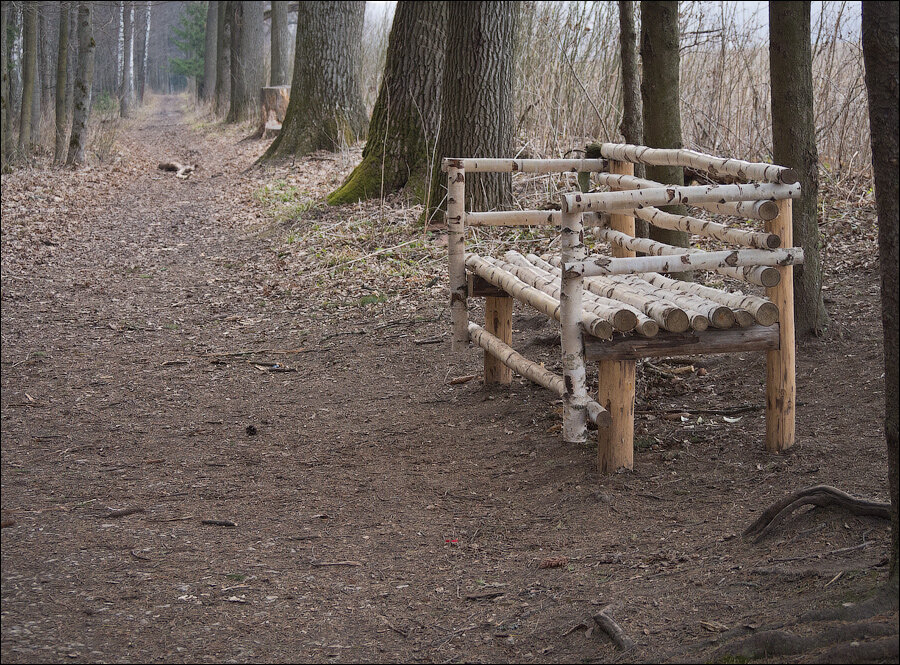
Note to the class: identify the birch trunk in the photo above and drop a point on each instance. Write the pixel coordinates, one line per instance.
(81, 106)
(326, 109)
(62, 61)
(570, 315)
(794, 145)
(882, 60)
(696, 260)
(660, 96)
(405, 120)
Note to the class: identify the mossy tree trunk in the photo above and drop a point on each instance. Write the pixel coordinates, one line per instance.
(29, 73)
(5, 99)
(62, 63)
(84, 80)
(794, 145)
(476, 101)
(406, 117)
(880, 52)
(208, 88)
(660, 99)
(223, 58)
(326, 110)
(247, 59)
(281, 45)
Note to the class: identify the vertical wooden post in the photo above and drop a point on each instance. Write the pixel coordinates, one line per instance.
(781, 382)
(498, 322)
(616, 378)
(623, 223)
(456, 248)
(575, 398)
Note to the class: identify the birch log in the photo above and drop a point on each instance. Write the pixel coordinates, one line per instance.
(526, 218)
(716, 166)
(591, 323)
(674, 195)
(456, 249)
(620, 221)
(763, 311)
(621, 319)
(702, 227)
(689, 261)
(712, 313)
(645, 325)
(487, 165)
(570, 314)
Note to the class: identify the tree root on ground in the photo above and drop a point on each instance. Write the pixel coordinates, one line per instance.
(818, 495)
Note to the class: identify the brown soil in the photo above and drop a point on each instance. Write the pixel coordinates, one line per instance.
(379, 513)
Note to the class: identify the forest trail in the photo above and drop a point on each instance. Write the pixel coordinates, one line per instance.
(329, 496)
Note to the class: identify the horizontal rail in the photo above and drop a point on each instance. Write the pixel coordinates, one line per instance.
(526, 218)
(490, 165)
(716, 166)
(707, 229)
(667, 345)
(673, 194)
(686, 262)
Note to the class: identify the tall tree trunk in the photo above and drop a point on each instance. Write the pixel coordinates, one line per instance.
(794, 145)
(208, 87)
(141, 14)
(45, 65)
(14, 55)
(84, 80)
(223, 58)
(29, 73)
(62, 63)
(632, 125)
(281, 44)
(248, 66)
(326, 109)
(660, 97)
(127, 83)
(5, 125)
(406, 117)
(476, 100)
(880, 52)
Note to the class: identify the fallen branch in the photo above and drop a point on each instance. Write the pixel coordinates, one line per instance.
(323, 564)
(614, 630)
(818, 495)
(125, 512)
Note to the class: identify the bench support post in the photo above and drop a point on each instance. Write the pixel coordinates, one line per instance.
(781, 386)
(498, 322)
(615, 444)
(575, 398)
(456, 227)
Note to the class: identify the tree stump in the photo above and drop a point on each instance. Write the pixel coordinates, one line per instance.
(274, 103)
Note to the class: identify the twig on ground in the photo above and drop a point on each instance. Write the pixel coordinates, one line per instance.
(614, 630)
(125, 511)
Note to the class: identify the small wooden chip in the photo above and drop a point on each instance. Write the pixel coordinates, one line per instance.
(125, 511)
(461, 379)
(485, 595)
(554, 562)
(322, 564)
(6, 523)
(218, 522)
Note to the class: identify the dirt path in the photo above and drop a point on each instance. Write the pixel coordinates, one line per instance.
(379, 514)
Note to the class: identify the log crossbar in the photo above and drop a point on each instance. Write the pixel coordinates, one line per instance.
(618, 309)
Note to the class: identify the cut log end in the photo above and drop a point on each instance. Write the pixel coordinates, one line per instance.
(768, 210)
(677, 321)
(767, 314)
(769, 277)
(624, 320)
(722, 317)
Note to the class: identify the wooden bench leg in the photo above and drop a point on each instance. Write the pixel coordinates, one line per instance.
(615, 444)
(498, 322)
(781, 382)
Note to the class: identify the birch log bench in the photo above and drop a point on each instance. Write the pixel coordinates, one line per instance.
(617, 309)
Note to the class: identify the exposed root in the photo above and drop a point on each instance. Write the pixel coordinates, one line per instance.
(769, 643)
(817, 495)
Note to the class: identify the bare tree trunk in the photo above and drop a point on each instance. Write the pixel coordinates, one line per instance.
(208, 86)
(14, 54)
(794, 146)
(880, 51)
(29, 73)
(127, 83)
(5, 125)
(660, 97)
(476, 100)
(223, 58)
(281, 44)
(71, 61)
(632, 126)
(326, 109)
(62, 63)
(141, 14)
(247, 59)
(81, 108)
(45, 64)
(406, 117)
